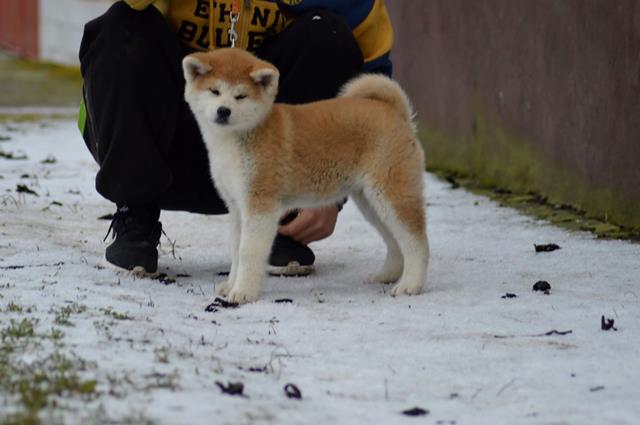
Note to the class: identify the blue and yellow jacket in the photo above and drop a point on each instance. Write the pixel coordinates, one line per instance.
(204, 24)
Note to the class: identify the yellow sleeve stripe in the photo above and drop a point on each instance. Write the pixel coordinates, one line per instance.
(375, 34)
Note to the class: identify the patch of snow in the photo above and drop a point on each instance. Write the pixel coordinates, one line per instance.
(358, 355)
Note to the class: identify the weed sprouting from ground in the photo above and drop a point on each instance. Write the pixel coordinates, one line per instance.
(17, 330)
(115, 315)
(36, 381)
(62, 315)
(12, 307)
(161, 354)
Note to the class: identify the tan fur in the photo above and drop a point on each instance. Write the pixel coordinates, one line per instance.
(362, 143)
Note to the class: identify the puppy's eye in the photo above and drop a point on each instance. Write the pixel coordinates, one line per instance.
(241, 96)
(215, 92)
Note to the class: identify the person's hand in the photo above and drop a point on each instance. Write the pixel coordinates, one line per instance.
(312, 224)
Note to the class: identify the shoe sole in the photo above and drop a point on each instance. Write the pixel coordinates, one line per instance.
(137, 271)
(292, 269)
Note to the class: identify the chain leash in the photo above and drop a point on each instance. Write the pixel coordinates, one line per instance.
(234, 15)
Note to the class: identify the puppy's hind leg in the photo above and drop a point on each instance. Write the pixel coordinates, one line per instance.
(256, 238)
(393, 263)
(403, 214)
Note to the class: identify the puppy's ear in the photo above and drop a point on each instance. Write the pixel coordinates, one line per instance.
(267, 78)
(194, 68)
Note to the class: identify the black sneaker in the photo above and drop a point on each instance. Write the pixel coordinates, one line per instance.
(137, 233)
(290, 258)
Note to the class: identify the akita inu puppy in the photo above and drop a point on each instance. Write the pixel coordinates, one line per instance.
(267, 158)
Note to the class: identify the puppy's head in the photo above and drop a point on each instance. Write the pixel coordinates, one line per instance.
(229, 88)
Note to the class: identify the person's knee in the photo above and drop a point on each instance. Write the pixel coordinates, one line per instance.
(121, 26)
(121, 17)
(324, 33)
(123, 40)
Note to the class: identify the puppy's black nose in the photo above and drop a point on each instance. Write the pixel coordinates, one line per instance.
(224, 112)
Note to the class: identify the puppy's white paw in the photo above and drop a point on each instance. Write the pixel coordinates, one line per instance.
(405, 288)
(383, 277)
(223, 288)
(242, 295)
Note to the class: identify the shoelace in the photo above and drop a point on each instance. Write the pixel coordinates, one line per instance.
(118, 217)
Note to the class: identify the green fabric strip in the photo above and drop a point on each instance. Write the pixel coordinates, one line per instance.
(82, 117)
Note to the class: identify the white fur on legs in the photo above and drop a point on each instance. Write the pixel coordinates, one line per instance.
(416, 260)
(393, 263)
(236, 230)
(414, 247)
(256, 238)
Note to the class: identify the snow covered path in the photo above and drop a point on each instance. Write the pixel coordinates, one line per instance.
(359, 356)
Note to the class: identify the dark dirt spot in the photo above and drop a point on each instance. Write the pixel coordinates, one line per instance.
(416, 411)
(598, 388)
(283, 301)
(23, 188)
(49, 160)
(606, 324)
(167, 280)
(225, 273)
(543, 286)
(501, 191)
(549, 247)
(183, 275)
(555, 332)
(509, 295)
(258, 369)
(11, 155)
(106, 217)
(219, 303)
(292, 391)
(453, 182)
(551, 332)
(232, 388)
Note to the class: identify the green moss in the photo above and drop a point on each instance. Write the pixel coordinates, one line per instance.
(63, 315)
(14, 308)
(18, 329)
(35, 385)
(30, 117)
(492, 158)
(30, 83)
(115, 315)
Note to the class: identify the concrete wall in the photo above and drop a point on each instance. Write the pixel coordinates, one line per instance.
(61, 25)
(539, 95)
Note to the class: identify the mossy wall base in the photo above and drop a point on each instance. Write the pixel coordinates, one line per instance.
(492, 157)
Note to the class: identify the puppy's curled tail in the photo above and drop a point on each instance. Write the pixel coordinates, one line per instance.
(382, 88)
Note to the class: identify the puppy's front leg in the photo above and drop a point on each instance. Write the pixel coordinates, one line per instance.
(256, 238)
(236, 229)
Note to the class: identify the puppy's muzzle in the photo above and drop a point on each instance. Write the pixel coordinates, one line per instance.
(223, 114)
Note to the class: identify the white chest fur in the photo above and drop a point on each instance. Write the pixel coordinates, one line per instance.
(229, 166)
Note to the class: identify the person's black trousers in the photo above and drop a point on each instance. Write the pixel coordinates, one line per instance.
(142, 132)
